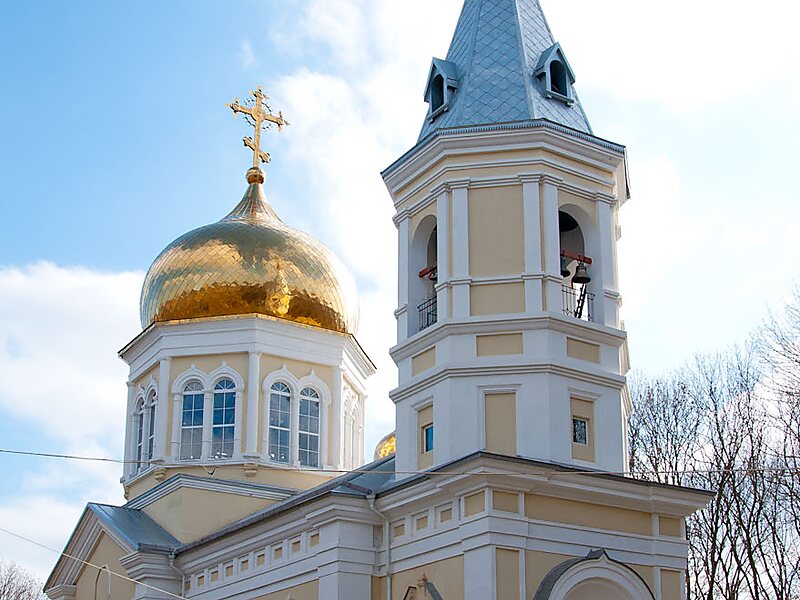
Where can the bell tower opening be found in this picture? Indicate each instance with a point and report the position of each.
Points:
(577, 301)
(423, 275)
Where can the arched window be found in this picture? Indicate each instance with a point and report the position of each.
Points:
(140, 458)
(280, 402)
(437, 93)
(309, 428)
(223, 419)
(151, 427)
(192, 421)
(558, 78)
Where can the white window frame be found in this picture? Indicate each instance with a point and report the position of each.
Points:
(199, 391)
(274, 429)
(225, 427)
(312, 396)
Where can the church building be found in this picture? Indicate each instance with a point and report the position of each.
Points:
(245, 474)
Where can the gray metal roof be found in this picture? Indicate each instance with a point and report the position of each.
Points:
(495, 49)
(135, 527)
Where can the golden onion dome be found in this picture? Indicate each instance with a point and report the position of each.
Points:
(386, 447)
(250, 262)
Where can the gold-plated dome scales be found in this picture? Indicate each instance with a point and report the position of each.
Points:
(250, 262)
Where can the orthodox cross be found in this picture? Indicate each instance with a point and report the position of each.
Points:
(259, 115)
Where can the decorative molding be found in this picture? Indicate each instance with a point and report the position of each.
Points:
(190, 374)
(222, 372)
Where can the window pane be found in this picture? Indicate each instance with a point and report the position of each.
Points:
(427, 442)
(580, 431)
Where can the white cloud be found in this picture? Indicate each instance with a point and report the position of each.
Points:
(685, 54)
(59, 332)
(246, 55)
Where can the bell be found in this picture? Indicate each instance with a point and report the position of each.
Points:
(581, 274)
(564, 269)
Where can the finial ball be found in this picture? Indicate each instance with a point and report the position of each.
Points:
(255, 175)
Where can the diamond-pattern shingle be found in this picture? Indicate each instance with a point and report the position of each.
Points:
(495, 48)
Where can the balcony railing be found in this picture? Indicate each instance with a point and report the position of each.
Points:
(427, 313)
(577, 302)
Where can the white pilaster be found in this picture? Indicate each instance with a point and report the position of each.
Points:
(208, 417)
(403, 245)
(337, 397)
(177, 417)
(460, 258)
(479, 567)
(161, 448)
(552, 243)
(606, 304)
(130, 431)
(443, 255)
(253, 394)
(532, 210)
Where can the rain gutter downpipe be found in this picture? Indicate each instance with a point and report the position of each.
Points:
(386, 541)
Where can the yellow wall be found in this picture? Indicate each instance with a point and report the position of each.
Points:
(106, 552)
(144, 380)
(670, 526)
(447, 575)
(474, 166)
(559, 510)
(507, 574)
(497, 299)
(474, 504)
(498, 345)
(496, 244)
(189, 514)
(505, 501)
(424, 418)
(670, 585)
(584, 410)
(501, 423)
(305, 591)
(294, 480)
(423, 361)
(583, 350)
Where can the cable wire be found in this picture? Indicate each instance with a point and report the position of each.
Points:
(87, 563)
(567, 470)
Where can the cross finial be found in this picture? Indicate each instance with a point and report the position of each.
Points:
(259, 115)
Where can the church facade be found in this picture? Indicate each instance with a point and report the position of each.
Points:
(245, 472)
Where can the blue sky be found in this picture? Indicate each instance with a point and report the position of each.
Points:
(116, 139)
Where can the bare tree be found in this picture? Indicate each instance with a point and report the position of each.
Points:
(18, 584)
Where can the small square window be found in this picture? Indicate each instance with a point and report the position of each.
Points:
(580, 431)
(427, 438)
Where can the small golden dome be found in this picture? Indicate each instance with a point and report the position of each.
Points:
(386, 446)
(250, 262)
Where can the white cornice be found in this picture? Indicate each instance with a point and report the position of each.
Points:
(593, 332)
(250, 333)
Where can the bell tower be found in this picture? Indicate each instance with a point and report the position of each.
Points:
(508, 332)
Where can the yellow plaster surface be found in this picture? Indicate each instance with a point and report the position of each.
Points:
(496, 234)
(474, 504)
(583, 350)
(447, 575)
(505, 501)
(669, 526)
(670, 585)
(424, 418)
(423, 361)
(497, 298)
(207, 363)
(295, 480)
(507, 574)
(144, 380)
(585, 410)
(498, 345)
(501, 423)
(106, 553)
(583, 514)
(305, 591)
(189, 514)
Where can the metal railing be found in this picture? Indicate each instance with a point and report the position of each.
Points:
(427, 313)
(577, 302)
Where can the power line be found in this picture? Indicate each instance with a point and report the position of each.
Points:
(87, 563)
(786, 470)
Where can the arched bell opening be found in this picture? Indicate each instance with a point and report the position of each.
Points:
(577, 265)
(423, 275)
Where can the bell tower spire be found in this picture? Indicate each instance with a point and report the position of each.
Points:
(509, 339)
(503, 66)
